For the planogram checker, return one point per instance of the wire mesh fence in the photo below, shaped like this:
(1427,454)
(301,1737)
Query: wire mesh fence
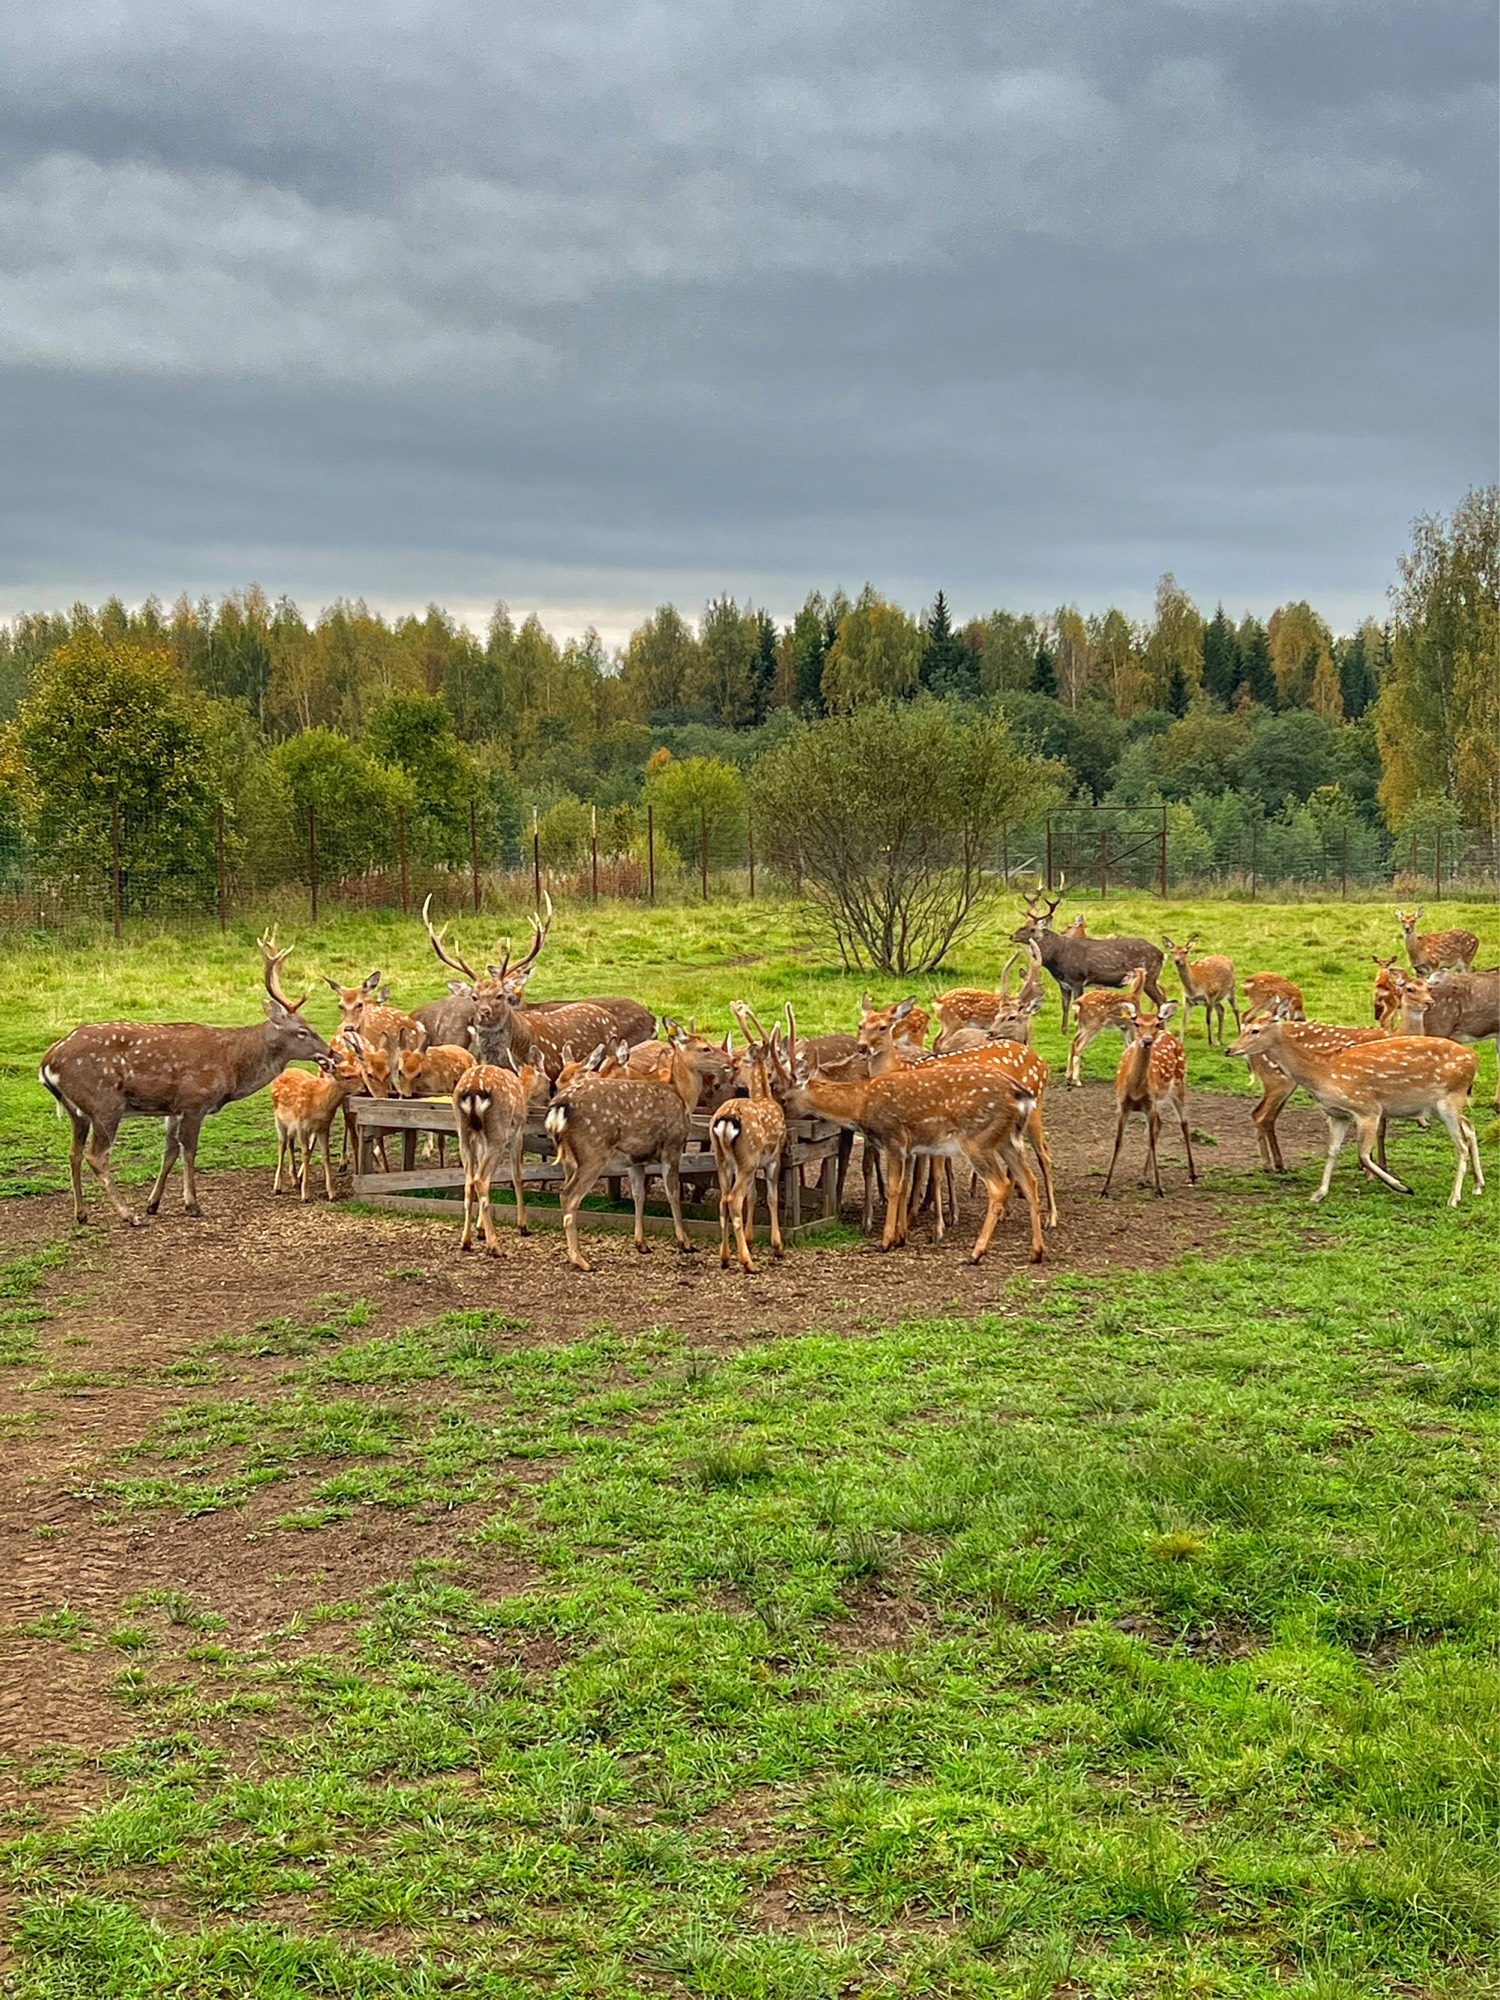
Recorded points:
(126,869)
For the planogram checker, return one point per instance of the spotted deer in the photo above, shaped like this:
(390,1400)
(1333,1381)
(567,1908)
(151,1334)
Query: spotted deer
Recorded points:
(1077,963)
(304,1107)
(1099,1012)
(1315,1038)
(1389,979)
(1398,1076)
(748,1137)
(599,1118)
(178,1071)
(1436,951)
(491,1103)
(1207,983)
(1265,990)
(363,1009)
(1152,1078)
(908,1021)
(1461,1006)
(972,1006)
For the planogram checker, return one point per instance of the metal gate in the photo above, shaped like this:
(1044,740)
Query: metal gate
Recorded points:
(1105,847)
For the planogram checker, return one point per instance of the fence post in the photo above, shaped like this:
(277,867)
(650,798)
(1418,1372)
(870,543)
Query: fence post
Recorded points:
(703,848)
(594,846)
(116,895)
(1005,854)
(1162,872)
(401,850)
(651,853)
(750,844)
(474,853)
(536,859)
(1437,865)
(312,856)
(1049,857)
(1254,855)
(1104,864)
(1344,870)
(223,871)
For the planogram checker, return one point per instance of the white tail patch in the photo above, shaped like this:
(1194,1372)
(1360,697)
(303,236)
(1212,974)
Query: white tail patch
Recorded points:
(727,1128)
(557,1121)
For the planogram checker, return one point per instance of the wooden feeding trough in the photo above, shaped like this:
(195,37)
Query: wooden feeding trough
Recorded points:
(427,1188)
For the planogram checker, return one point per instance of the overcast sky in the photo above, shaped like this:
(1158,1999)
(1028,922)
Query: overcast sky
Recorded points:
(590,309)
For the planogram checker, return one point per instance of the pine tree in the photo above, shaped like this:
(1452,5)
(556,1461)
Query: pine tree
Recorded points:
(1044,679)
(1255,656)
(1177,690)
(949,666)
(1221,658)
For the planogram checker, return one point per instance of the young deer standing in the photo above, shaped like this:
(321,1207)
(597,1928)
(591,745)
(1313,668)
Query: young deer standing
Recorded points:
(1399,1076)
(1389,979)
(971,1006)
(950,1108)
(1461,1006)
(1208,983)
(178,1071)
(748,1136)
(599,1117)
(490,1107)
(1099,1010)
(1265,990)
(1152,1075)
(305,1108)
(1311,1038)
(1436,951)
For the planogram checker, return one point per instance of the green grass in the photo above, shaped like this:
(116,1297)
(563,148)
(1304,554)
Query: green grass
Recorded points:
(1178,1676)
(688,960)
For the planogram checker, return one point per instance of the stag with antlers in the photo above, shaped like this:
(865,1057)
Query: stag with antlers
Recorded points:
(1077,963)
(178,1071)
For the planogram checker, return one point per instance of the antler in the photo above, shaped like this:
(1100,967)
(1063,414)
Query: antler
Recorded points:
(539,938)
(744,1013)
(274,960)
(449,959)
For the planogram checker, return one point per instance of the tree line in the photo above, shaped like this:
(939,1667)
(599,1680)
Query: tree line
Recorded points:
(420,722)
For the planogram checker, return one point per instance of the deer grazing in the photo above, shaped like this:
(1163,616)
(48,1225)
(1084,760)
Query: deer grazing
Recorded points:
(1098,1012)
(1207,983)
(1309,1038)
(1152,1077)
(305,1107)
(1265,990)
(1077,963)
(643,1119)
(748,1137)
(1357,1088)
(363,1011)
(430,1072)
(1003,1016)
(491,1104)
(180,1072)
(949,1108)
(1436,951)
(1460,1006)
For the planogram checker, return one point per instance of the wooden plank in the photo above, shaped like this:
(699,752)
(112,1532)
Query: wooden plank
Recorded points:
(611,1222)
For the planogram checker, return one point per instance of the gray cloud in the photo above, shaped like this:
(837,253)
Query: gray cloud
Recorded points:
(1029,303)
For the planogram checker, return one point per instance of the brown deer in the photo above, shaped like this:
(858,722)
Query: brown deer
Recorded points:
(1265,990)
(1388,982)
(1077,963)
(431,1072)
(1436,951)
(599,1118)
(1207,983)
(720,1071)
(179,1071)
(1460,1006)
(1398,1076)
(748,1137)
(948,1108)
(1100,1011)
(908,1019)
(1314,1038)
(971,1006)
(363,1010)
(491,1104)
(305,1107)
(1152,1076)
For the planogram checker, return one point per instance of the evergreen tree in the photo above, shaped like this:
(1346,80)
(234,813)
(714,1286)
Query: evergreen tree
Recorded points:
(766,657)
(1255,656)
(1177,690)
(1221,658)
(949,666)
(1044,676)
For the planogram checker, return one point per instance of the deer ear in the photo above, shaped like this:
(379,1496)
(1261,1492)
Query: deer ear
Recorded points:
(905,1008)
(866,1003)
(1129,1009)
(372,984)
(1166,1012)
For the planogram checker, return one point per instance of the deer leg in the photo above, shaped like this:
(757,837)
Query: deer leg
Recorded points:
(466,1240)
(1115,1155)
(1472,1138)
(1036,1133)
(1153,1133)
(518,1181)
(1274,1096)
(1455,1123)
(171,1147)
(1340,1125)
(484,1181)
(1015,1171)
(637,1179)
(671,1176)
(1073,1075)
(326,1136)
(951,1184)
(1187,1140)
(191,1127)
(304,1179)
(280,1159)
(574,1188)
(75,1163)
(1234,1008)
(1367,1126)
(97,1160)
(744,1220)
(898,1169)
(845,1154)
(721,1162)
(773,1204)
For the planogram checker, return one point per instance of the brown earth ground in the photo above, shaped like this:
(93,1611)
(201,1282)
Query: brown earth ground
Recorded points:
(132,1302)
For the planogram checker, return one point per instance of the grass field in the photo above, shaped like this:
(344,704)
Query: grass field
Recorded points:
(1133,1635)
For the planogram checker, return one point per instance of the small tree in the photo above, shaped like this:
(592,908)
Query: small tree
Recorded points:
(698,794)
(414,734)
(890,818)
(354,797)
(109,743)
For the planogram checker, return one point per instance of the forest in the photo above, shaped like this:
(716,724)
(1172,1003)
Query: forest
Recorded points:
(1283,730)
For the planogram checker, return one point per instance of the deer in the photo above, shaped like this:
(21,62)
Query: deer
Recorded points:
(748,1137)
(1077,963)
(363,1010)
(178,1071)
(1398,1076)
(1152,1076)
(600,1117)
(1436,951)
(1100,1011)
(430,1072)
(305,1107)
(1264,990)
(969,1006)
(1314,1038)
(1460,1006)
(491,1105)
(1389,979)
(948,1108)
(503,987)
(721,1071)
(913,1020)
(1207,983)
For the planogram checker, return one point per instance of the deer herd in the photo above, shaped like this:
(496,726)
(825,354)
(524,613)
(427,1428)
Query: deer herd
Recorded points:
(954,1085)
